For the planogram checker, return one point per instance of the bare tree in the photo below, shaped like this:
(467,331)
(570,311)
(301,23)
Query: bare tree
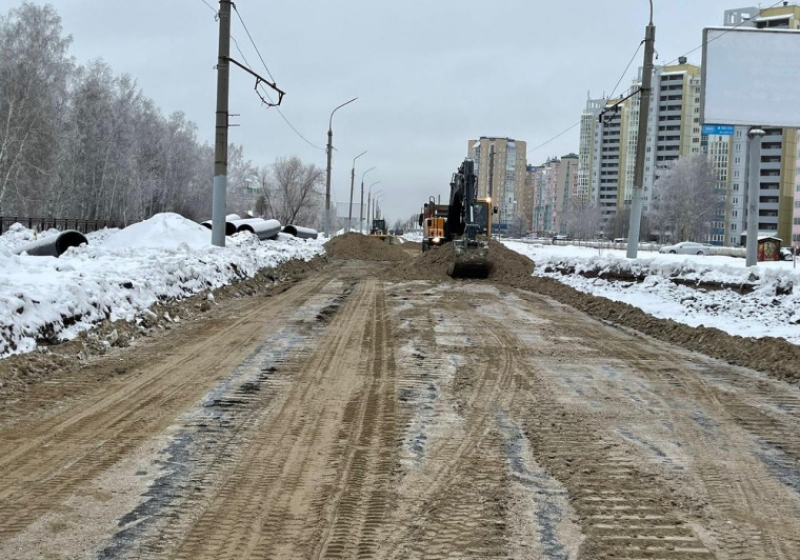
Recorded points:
(291,191)
(685,199)
(583,218)
(34,69)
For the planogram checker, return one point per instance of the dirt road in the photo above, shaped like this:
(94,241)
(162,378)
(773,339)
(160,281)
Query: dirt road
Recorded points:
(352,416)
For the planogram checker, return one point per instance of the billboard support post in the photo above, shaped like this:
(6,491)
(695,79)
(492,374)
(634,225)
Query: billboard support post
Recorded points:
(645,94)
(754,136)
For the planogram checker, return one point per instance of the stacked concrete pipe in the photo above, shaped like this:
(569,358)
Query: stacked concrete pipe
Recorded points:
(230,227)
(301,232)
(55,245)
(264,229)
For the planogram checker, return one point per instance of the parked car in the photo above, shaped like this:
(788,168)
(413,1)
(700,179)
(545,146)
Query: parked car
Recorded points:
(686,248)
(786,253)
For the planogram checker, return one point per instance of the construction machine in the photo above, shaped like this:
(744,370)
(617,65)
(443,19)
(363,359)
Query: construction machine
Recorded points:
(379,230)
(469,225)
(432,220)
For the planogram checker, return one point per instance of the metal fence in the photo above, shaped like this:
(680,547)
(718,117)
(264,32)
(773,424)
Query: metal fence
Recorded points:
(61,224)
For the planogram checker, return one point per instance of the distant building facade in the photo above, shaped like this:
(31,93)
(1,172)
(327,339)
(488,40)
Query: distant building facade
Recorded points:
(501,167)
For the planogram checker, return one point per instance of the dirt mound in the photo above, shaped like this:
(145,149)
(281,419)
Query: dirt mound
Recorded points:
(506,265)
(354,246)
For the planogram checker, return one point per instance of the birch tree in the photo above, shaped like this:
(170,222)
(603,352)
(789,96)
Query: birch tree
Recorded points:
(583,218)
(34,70)
(685,199)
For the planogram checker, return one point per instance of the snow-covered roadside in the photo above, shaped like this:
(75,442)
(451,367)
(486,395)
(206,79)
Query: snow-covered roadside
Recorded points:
(119,275)
(764,312)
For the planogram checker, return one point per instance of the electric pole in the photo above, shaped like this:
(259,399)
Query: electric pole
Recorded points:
(645,93)
(221,138)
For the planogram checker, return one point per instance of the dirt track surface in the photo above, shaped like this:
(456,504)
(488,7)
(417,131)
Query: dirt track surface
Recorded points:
(378,410)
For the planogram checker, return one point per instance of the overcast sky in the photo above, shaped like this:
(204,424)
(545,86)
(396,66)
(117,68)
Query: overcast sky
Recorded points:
(429,75)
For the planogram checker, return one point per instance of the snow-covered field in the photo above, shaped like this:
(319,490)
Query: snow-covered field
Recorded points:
(120,274)
(758,314)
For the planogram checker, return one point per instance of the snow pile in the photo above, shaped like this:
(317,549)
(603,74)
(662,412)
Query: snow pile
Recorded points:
(162,231)
(156,260)
(680,287)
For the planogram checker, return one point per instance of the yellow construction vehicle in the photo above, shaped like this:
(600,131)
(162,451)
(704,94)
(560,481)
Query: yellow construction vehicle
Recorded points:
(379,230)
(433,220)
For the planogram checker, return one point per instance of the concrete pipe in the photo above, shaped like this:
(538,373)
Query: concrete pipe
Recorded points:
(239,223)
(53,246)
(229,229)
(301,232)
(264,229)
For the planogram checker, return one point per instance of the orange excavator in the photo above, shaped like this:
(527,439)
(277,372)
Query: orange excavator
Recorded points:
(465,223)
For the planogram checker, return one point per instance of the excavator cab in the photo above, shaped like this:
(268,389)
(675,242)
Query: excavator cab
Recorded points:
(469,225)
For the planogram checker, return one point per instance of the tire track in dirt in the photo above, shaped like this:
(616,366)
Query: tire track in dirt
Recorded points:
(314,475)
(44,462)
(453,498)
(365,494)
(673,404)
(623,511)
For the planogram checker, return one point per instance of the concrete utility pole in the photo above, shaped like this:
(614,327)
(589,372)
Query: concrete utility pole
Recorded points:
(352,186)
(361,206)
(754,146)
(645,93)
(328,174)
(221,138)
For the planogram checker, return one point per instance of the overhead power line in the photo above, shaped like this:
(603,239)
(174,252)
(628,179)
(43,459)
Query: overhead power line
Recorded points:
(235,9)
(622,76)
(556,137)
(264,91)
(252,42)
(559,135)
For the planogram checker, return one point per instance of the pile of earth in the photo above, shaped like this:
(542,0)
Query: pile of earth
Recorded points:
(506,266)
(355,246)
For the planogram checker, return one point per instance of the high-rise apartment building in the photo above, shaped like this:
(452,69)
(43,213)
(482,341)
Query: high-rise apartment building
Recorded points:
(554,183)
(501,166)
(608,147)
(604,153)
(608,144)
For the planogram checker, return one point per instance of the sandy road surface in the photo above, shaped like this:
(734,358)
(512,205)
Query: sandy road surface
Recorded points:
(355,417)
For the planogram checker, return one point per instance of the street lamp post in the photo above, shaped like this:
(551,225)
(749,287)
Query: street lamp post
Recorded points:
(352,186)
(328,175)
(369,203)
(361,206)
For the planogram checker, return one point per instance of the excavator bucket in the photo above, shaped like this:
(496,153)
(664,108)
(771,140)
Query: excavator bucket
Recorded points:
(470,260)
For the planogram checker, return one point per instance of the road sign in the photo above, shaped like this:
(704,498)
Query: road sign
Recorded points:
(718,129)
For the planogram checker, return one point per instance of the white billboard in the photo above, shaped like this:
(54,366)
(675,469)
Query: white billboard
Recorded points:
(750,77)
